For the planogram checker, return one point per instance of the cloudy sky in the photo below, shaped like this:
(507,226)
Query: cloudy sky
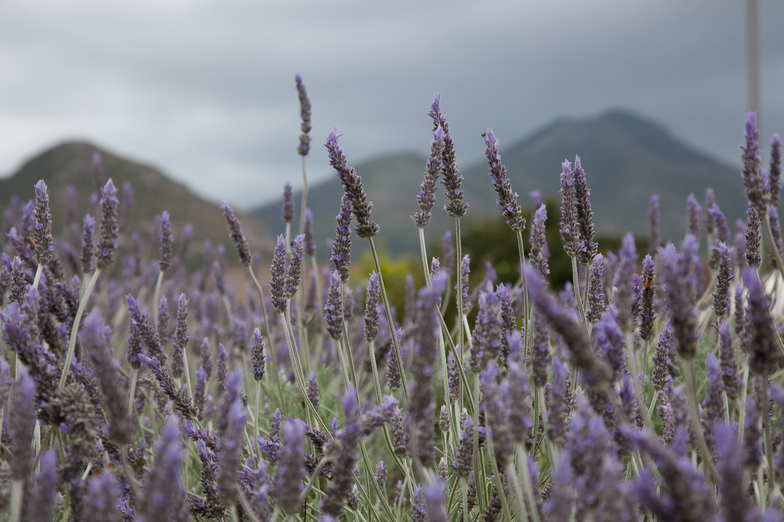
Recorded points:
(205,90)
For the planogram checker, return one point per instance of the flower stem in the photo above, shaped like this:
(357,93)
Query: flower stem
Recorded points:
(75,328)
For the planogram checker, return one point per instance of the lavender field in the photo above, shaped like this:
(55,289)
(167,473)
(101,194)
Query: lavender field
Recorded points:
(650,388)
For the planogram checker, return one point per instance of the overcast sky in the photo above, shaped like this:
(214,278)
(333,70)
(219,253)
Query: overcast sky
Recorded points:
(205,91)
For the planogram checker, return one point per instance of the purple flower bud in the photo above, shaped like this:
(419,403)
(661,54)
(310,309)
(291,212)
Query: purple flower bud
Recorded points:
(21,423)
(570,230)
(101,501)
(647,305)
(106,247)
(735,503)
(313,391)
(95,338)
(289,470)
(310,239)
(728,362)
(88,247)
(654,216)
(427,194)
(661,359)
(775,231)
(163,497)
(19,285)
(762,331)
(753,178)
(681,294)
(257,355)
(235,233)
(465,270)
(611,340)
(556,400)
(371,309)
(588,247)
(279,277)
(448,253)
(434,500)
(304,112)
(288,204)
(294,268)
(42,233)
(724,276)
(713,404)
(464,454)
(753,237)
(695,216)
(623,296)
(452,179)
(181,338)
(539,252)
(381,475)
(97,170)
(506,199)
(352,186)
(774,176)
(340,253)
(752,436)
(165,245)
(231,430)
(333,309)
(488,336)
(40,506)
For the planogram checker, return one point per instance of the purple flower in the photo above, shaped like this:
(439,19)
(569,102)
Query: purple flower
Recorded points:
(165,247)
(464,454)
(678,272)
(488,335)
(257,355)
(765,350)
(108,245)
(304,112)
(661,359)
(235,233)
(163,497)
(611,340)
(724,276)
(506,199)
(427,193)
(279,277)
(654,216)
(465,270)
(434,500)
(288,204)
(774,176)
(352,186)
(735,503)
(21,423)
(371,309)
(40,505)
(728,362)
(344,456)
(340,253)
(95,338)
(570,230)
(180,344)
(452,179)
(623,296)
(333,308)
(539,253)
(713,405)
(88,247)
(495,399)
(753,237)
(588,247)
(289,470)
(753,179)
(42,232)
(231,430)
(294,268)
(647,309)
(307,229)
(101,501)
(721,232)
(557,402)
(695,216)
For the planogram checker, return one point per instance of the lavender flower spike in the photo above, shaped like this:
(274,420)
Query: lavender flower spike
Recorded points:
(724,276)
(108,244)
(623,296)
(507,199)
(235,232)
(294,268)
(584,215)
(765,350)
(21,422)
(307,229)
(352,186)
(371,309)
(180,344)
(680,294)
(695,216)
(304,112)
(774,175)
(753,178)
(278,277)
(427,193)
(257,355)
(289,469)
(539,252)
(287,210)
(165,243)
(333,309)
(654,216)
(452,179)
(42,232)
(753,237)
(163,497)
(434,500)
(88,248)
(340,253)
(570,231)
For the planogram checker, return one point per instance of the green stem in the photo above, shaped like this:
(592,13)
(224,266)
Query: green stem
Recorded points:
(767,438)
(132,394)
(691,386)
(37,278)
(526,311)
(17,493)
(390,320)
(156,297)
(75,328)
(773,246)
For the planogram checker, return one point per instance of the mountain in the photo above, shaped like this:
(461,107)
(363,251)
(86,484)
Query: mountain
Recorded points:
(70,163)
(626,157)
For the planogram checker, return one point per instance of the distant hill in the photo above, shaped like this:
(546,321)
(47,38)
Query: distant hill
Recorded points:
(71,164)
(627,158)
